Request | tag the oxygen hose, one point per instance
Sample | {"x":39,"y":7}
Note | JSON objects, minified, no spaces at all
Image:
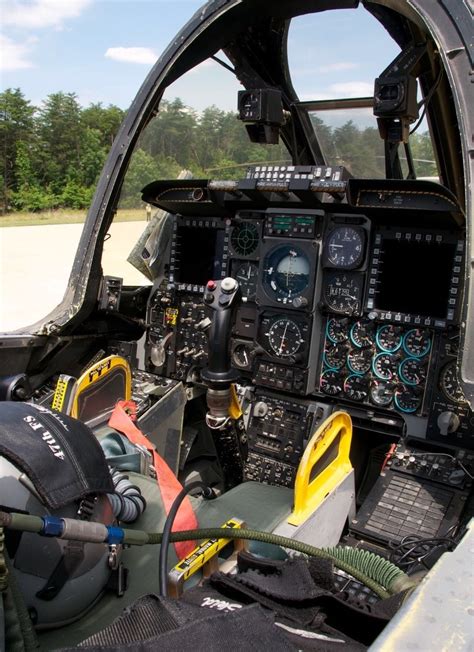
{"x":378,"y":574}
{"x":127,"y":502}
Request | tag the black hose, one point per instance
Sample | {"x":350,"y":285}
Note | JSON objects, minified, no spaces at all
{"x":165,"y":541}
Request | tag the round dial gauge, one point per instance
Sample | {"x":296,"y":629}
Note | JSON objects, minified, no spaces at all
{"x":249,"y":106}
{"x":412,"y":371}
{"x":381,"y":393}
{"x":285,"y":338}
{"x":335,"y":356}
{"x":449,"y":384}
{"x":407,"y":399}
{"x":242,"y":356}
{"x":356,"y":387}
{"x":286,"y":273}
{"x":385,"y":366}
{"x":244,"y":238}
{"x":345,"y":247}
{"x":342,"y":292}
{"x":389,"y":338}
{"x":362,"y":333}
{"x":246,"y":275}
{"x":417,"y":342}
{"x":337,"y":330}
{"x":331,"y":382}
{"x":359,"y":361}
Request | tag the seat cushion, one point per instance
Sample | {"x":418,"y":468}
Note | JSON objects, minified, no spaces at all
{"x":261,"y":506}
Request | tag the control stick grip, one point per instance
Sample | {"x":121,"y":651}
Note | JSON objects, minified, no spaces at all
{"x":221,"y":297}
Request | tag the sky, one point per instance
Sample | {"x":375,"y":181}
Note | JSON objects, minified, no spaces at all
{"x":102,"y":50}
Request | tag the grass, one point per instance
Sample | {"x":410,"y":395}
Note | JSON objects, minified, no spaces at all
{"x":65,"y":216}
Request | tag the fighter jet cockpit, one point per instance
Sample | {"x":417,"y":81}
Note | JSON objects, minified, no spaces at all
{"x":288,"y":357}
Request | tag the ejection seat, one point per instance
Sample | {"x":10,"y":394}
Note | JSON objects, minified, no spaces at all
{"x":315,"y":512}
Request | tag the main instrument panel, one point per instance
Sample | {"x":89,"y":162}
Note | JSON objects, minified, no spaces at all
{"x":338,"y":308}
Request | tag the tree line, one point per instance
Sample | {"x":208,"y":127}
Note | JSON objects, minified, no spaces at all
{"x":51,"y":155}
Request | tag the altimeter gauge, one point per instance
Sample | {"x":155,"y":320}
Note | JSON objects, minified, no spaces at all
{"x":343,"y":291}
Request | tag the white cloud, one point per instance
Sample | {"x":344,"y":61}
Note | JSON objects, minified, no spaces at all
{"x":352,"y":89}
{"x":317,"y":95}
{"x":40,"y":13}
{"x":203,"y":66}
{"x":337,"y":66}
{"x":132,"y":55}
{"x":15,"y":56}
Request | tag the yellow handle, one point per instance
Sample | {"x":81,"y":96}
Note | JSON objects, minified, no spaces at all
{"x":329,"y":449}
{"x":96,"y":373}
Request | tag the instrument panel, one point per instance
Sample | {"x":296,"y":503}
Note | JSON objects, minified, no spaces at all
{"x":341,"y":308}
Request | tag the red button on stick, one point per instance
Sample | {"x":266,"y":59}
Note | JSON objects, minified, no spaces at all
{"x":211,"y":286}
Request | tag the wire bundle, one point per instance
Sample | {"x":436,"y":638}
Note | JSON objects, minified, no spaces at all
{"x":414,"y":550}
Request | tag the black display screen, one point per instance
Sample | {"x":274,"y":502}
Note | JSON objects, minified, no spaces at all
{"x":196,"y":253}
{"x":415,"y":277}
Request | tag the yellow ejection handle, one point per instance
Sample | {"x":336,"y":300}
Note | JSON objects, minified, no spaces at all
{"x":312,"y":484}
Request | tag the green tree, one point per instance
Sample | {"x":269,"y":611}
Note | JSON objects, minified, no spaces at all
{"x":423,"y":155}
{"x":105,"y":120}
{"x":93,"y":155}
{"x":172,"y":133}
{"x":16,"y":126}
{"x":61,"y":135}
{"x":142,"y":170}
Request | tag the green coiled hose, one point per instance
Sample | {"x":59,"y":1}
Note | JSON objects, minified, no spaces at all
{"x":377,"y":573}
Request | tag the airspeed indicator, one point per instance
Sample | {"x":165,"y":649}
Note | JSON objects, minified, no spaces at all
{"x":285,"y":337}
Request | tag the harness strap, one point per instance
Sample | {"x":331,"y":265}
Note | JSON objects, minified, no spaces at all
{"x":169,"y":485}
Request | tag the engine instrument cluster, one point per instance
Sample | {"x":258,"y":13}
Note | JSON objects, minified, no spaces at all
{"x":382,"y":365}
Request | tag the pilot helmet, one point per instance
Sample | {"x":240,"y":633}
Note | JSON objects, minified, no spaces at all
{"x":58,"y":579}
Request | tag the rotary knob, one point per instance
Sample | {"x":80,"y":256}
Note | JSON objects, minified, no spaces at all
{"x":448,"y":422}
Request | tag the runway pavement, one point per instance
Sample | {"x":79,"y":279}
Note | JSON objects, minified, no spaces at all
{"x":35,"y":263}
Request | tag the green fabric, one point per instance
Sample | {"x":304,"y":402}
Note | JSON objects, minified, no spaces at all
{"x":19,"y":633}
{"x":261,"y":506}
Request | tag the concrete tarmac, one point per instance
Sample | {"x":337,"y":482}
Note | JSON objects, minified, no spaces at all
{"x":35,"y":263}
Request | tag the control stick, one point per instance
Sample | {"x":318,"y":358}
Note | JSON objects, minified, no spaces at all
{"x":221,"y":297}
